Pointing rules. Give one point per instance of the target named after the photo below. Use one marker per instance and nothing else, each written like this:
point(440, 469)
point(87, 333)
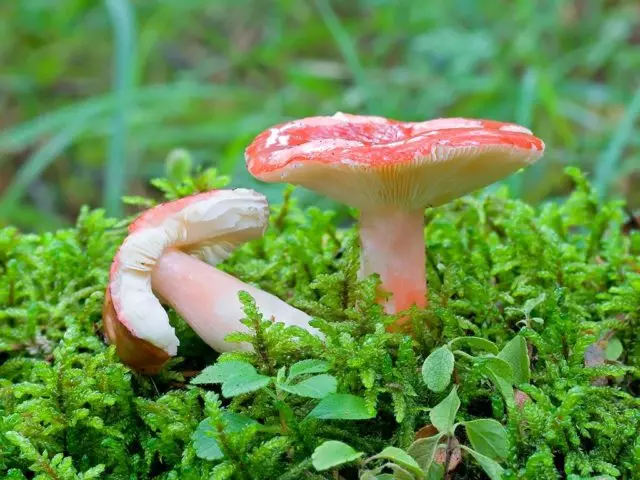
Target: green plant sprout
point(487, 437)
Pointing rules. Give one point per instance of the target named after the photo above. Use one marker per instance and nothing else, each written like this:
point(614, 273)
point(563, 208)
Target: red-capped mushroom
point(391, 171)
point(170, 251)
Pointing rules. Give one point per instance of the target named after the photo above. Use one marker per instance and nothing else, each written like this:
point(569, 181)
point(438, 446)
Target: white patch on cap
point(281, 157)
point(515, 128)
point(390, 144)
point(204, 228)
point(273, 137)
point(283, 140)
point(446, 123)
point(347, 117)
point(275, 134)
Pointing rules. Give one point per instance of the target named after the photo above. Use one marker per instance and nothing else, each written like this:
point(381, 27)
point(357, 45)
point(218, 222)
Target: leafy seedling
point(427, 458)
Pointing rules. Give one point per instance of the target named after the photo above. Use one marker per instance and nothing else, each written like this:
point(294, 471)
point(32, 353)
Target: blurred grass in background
point(94, 94)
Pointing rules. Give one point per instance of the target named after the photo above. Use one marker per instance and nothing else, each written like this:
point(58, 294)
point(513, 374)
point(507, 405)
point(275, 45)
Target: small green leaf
point(436, 472)
point(437, 369)
point(402, 458)
point(501, 374)
point(423, 451)
point(236, 377)
point(488, 437)
point(532, 303)
point(490, 467)
point(244, 384)
point(223, 371)
point(368, 378)
point(223, 471)
point(94, 472)
point(234, 422)
point(204, 438)
point(443, 415)
point(399, 473)
point(477, 343)
point(614, 349)
point(333, 453)
point(307, 366)
point(178, 165)
point(318, 386)
point(341, 406)
point(369, 475)
point(205, 443)
point(500, 367)
point(138, 201)
point(515, 353)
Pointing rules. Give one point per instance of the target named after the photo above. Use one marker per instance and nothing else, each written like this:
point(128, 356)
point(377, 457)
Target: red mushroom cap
point(371, 162)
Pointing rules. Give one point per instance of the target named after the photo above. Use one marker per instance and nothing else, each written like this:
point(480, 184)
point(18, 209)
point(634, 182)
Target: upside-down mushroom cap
point(368, 162)
point(208, 226)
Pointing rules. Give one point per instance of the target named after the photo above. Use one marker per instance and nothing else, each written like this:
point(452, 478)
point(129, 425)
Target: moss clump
point(565, 277)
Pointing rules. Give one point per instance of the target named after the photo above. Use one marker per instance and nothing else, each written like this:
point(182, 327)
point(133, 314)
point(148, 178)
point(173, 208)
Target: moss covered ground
point(555, 289)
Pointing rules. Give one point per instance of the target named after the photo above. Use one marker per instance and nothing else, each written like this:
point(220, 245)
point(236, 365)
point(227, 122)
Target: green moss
point(563, 275)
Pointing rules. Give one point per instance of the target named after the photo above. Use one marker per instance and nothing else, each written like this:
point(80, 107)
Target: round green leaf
point(307, 366)
point(488, 437)
point(402, 458)
point(205, 443)
point(341, 406)
point(333, 453)
point(423, 451)
point(318, 386)
point(224, 371)
point(240, 385)
point(443, 415)
point(437, 369)
point(501, 374)
point(614, 349)
point(515, 353)
point(492, 468)
point(477, 343)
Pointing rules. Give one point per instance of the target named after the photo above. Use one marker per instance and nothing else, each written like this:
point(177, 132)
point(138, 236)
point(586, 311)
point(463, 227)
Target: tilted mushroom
point(391, 171)
point(170, 250)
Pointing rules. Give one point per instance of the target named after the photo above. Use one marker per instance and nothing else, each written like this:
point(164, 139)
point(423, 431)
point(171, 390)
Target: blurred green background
point(94, 94)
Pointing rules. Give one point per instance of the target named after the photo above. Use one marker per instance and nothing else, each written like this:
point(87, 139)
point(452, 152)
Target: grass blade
point(607, 164)
point(347, 49)
point(124, 67)
point(22, 136)
point(524, 115)
point(41, 159)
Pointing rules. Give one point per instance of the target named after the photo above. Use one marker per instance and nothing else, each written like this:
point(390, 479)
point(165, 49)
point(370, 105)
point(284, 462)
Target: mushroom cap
point(371, 162)
point(139, 354)
point(207, 225)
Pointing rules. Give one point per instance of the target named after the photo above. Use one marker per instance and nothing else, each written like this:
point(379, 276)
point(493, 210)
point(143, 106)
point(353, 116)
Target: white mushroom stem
point(393, 246)
point(207, 299)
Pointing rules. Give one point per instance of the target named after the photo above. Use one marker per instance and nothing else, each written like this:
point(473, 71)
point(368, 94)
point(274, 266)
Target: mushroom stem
point(393, 246)
point(207, 299)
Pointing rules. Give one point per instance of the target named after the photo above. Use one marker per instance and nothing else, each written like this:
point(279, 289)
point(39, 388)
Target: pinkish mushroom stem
point(392, 245)
point(207, 299)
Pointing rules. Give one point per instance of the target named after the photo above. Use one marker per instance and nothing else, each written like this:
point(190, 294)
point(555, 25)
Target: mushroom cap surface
point(372, 162)
point(207, 225)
